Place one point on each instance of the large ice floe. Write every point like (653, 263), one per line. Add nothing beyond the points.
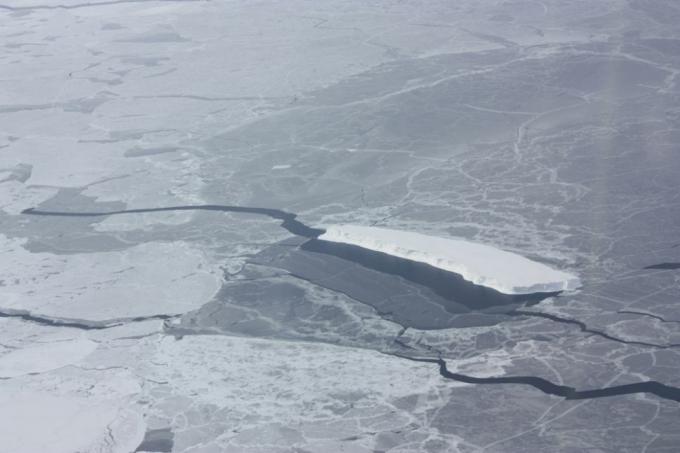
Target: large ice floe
(480, 264)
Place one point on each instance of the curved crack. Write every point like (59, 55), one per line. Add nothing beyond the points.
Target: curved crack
(664, 266)
(289, 220)
(650, 315)
(78, 323)
(549, 388)
(584, 328)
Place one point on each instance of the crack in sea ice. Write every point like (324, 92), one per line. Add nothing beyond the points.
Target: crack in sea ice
(77, 323)
(569, 393)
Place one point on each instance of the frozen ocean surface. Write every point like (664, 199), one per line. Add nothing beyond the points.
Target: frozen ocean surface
(167, 168)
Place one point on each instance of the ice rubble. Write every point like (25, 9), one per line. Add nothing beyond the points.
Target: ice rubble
(480, 264)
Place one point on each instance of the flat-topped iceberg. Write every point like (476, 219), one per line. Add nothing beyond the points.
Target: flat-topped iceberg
(480, 264)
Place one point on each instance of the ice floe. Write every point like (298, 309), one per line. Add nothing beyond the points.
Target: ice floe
(481, 264)
(43, 357)
(144, 280)
(39, 421)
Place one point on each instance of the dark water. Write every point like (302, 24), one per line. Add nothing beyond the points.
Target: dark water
(26, 316)
(664, 266)
(409, 293)
(157, 440)
(570, 393)
(289, 220)
(448, 285)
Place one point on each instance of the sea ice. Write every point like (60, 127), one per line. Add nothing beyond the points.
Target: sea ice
(44, 357)
(33, 421)
(144, 280)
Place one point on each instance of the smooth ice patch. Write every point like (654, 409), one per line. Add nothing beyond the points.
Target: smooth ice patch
(33, 421)
(281, 167)
(144, 280)
(44, 357)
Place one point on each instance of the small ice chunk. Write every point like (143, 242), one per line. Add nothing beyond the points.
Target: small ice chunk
(480, 264)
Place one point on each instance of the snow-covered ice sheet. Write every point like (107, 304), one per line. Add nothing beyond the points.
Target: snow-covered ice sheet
(481, 264)
(44, 357)
(145, 280)
(38, 421)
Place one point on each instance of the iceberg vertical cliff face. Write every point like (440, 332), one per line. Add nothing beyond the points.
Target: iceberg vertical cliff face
(481, 264)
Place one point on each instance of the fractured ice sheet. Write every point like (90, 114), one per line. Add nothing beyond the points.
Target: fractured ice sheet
(71, 408)
(548, 128)
(233, 394)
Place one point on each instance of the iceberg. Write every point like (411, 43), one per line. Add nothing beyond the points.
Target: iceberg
(484, 265)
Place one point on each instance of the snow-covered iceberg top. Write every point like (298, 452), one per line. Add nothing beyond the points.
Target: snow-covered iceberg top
(480, 264)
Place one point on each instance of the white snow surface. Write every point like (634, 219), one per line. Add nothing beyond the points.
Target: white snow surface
(480, 264)
(42, 422)
(43, 357)
(144, 280)
(281, 167)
